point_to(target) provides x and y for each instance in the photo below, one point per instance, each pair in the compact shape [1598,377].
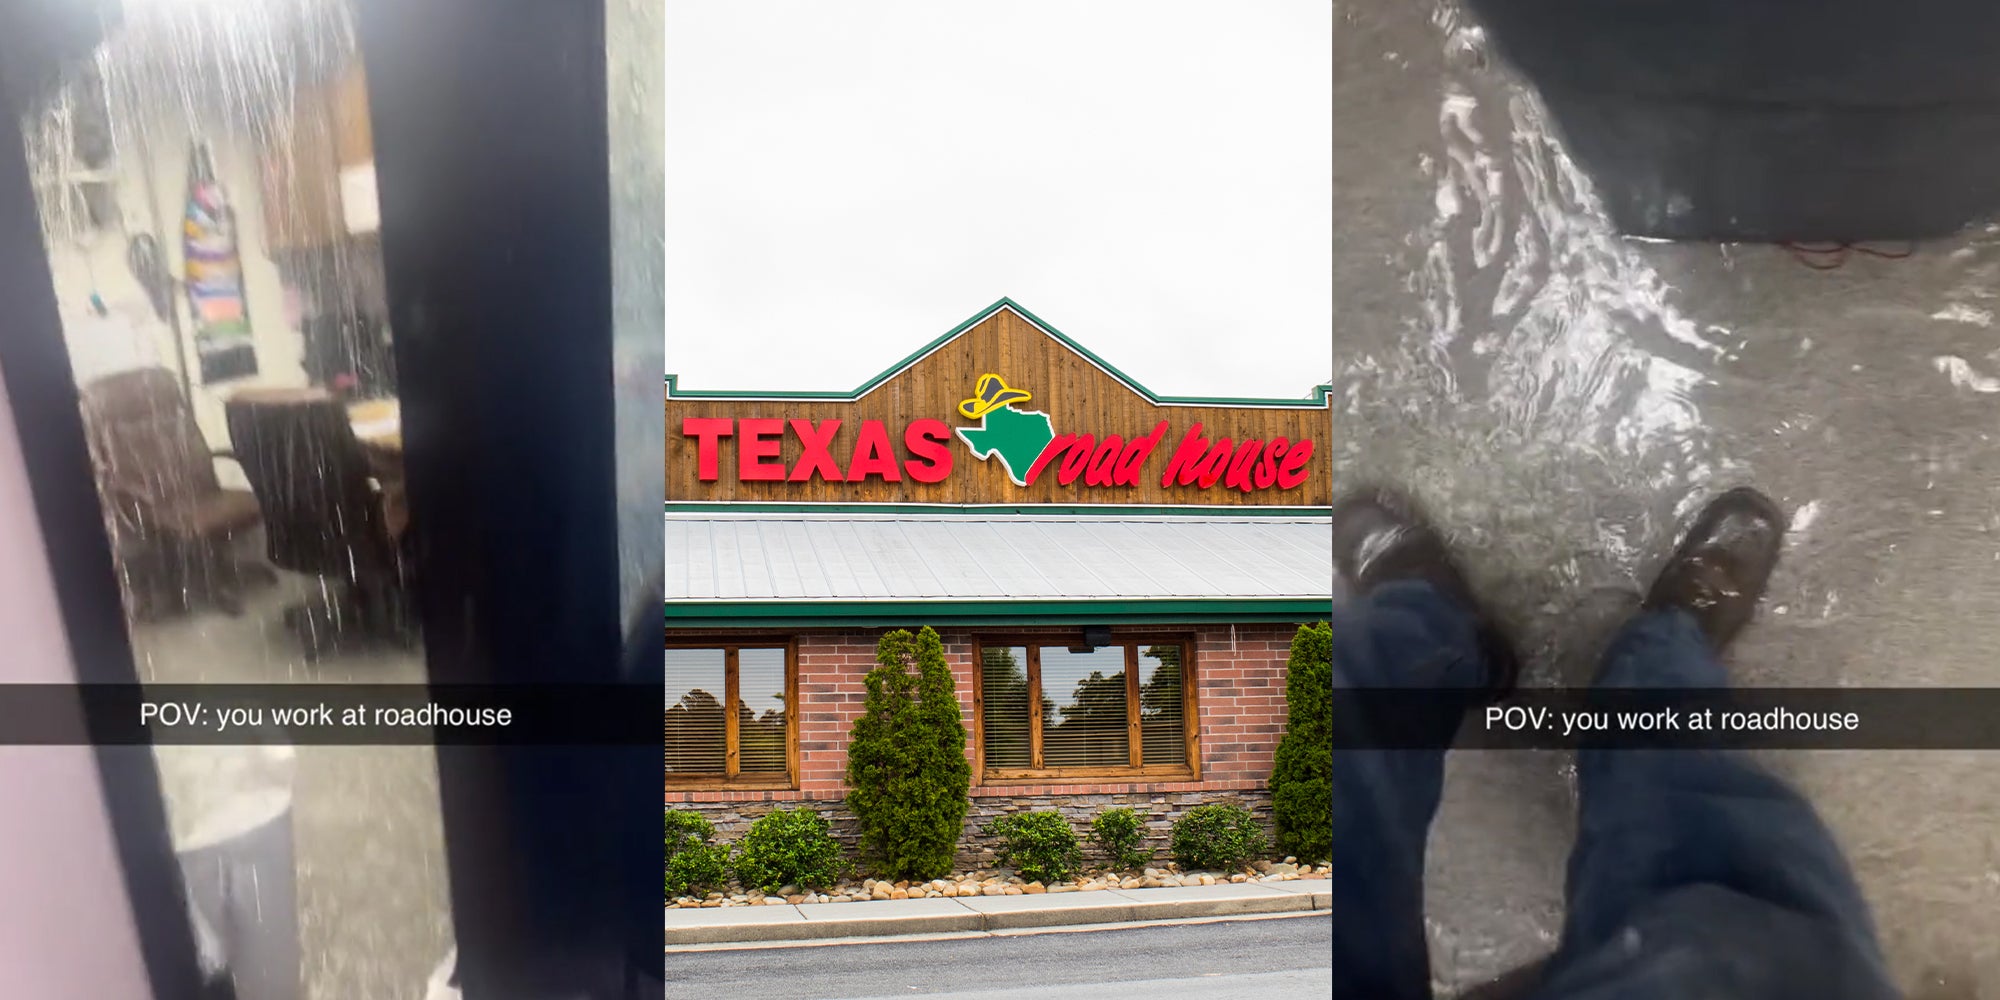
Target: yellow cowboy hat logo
[991,394]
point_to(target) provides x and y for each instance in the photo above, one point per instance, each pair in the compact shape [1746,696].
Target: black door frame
[37,40]
[491,140]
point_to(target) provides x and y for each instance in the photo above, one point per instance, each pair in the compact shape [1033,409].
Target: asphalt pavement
[1268,958]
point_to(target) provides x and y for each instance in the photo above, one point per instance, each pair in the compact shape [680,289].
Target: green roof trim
[711,615]
[1224,511]
[1318,398]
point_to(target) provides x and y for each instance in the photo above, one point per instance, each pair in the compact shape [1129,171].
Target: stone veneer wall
[1240,671]
[975,851]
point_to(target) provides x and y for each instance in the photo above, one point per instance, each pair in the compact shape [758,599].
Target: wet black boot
[1381,536]
[1719,572]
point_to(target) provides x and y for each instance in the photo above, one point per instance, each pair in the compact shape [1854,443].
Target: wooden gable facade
[909,436]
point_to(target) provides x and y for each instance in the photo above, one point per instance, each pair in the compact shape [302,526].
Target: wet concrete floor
[374,909]
[1564,399]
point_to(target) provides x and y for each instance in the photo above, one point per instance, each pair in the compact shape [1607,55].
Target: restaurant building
[1116,575]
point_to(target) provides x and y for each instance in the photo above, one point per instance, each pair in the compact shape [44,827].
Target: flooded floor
[373,897]
[1563,399]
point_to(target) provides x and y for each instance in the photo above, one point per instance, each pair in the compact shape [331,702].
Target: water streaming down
[317,872]
[636,99]
[110,151]
[1563,399]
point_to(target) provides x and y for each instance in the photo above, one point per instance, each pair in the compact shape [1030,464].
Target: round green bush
[1302,768]
[697,867]
[789,847]
[1040,846]
[686,823]
[1217,837]
[1118,833]
[907,777]
[692,862]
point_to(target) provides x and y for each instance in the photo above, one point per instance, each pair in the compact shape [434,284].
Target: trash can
[230,810]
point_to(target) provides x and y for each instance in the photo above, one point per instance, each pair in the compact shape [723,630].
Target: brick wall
[1240,671]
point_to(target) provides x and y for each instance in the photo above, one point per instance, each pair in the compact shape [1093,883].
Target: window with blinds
[1162,703]
[729,717]
[1004,674]
[1055,710]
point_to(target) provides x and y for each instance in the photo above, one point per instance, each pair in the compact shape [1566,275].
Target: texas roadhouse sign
[1042,421]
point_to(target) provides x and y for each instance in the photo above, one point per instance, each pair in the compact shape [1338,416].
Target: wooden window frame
[729,780]
[1133,642]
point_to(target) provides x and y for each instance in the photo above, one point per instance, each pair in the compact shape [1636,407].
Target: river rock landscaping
[1002,883]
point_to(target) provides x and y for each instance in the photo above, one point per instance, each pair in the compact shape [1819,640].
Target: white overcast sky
[848,180]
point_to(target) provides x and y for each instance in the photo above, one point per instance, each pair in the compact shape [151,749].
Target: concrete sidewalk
[883,918]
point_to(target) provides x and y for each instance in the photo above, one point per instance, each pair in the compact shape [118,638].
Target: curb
[1118,906]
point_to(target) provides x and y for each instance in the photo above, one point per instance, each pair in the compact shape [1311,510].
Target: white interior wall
[134,336]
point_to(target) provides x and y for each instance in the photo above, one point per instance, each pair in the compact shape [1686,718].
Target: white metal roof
[763,557]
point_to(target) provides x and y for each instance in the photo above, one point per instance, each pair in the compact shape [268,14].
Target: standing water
[1563,399]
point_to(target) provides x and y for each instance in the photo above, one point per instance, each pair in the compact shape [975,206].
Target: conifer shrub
[907,776]
[1302,768]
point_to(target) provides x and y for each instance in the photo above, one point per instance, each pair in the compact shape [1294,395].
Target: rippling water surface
[1563,399]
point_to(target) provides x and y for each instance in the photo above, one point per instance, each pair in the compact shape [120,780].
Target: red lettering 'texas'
[873,455]
[929,442]
[818,456]
[760,438]
[708,433]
